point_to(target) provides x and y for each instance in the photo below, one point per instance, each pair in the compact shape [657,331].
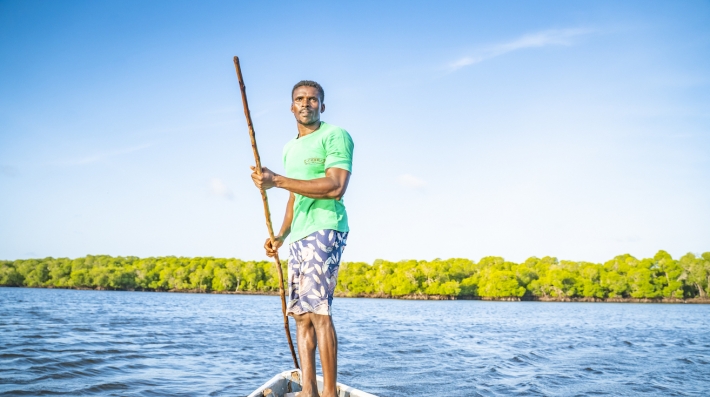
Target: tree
[696,273]
[36,272]
[500,284]
[591,281]
[671,272]
[614,283]
[642,280]
[9,276]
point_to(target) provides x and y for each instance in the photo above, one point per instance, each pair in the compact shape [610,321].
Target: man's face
[306,105]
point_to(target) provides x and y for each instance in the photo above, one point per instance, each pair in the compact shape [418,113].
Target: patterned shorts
[313,266]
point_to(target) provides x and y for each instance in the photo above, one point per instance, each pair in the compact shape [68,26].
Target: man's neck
[305,129]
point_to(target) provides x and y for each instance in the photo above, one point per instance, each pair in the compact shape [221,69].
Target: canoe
[287,383]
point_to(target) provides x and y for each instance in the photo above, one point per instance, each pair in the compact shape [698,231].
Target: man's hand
[264,181]
[273,250]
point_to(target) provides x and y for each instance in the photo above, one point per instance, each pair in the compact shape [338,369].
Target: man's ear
[322,107]
[292,109]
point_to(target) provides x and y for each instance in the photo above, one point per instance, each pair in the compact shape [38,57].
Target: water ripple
[60,342]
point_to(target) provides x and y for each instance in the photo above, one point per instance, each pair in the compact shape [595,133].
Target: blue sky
[579,130]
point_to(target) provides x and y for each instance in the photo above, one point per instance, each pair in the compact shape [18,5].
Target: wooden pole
[267,213]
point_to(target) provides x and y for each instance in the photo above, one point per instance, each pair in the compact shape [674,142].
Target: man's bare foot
[307,393]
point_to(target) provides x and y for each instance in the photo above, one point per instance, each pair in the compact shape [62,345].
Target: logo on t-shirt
[314,160]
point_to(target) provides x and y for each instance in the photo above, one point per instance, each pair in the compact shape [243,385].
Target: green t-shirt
[307,158]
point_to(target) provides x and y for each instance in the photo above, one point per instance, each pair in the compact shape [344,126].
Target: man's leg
[328,349]
[306,340]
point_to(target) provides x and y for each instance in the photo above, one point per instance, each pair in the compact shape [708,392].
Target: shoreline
[418,296]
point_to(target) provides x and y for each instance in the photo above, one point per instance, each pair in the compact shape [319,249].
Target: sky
[579,130]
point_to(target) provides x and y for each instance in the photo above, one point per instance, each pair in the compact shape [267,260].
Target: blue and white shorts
[313,266]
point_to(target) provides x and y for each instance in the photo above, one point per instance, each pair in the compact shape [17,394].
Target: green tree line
[621,277]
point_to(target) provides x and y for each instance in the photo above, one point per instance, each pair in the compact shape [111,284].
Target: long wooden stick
[267,213]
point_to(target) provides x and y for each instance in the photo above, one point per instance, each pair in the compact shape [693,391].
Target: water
[62,342]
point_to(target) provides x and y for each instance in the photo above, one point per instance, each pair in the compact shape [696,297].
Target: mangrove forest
[623,277]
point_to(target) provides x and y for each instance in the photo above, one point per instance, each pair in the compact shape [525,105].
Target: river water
[64,342]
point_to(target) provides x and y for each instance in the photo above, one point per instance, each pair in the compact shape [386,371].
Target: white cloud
[411,181]
[103,155]
[533,40]
[218,188]
[465,61]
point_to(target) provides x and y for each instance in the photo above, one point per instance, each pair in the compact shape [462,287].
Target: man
[318,163]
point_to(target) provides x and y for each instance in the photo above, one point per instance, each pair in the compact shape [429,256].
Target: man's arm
[332,186]
[285,229]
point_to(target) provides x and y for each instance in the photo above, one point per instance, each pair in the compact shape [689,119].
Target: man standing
[318,163]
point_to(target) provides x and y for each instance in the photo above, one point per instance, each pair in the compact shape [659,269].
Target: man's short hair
[309,83]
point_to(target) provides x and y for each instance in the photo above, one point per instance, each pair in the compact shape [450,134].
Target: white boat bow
[288,383]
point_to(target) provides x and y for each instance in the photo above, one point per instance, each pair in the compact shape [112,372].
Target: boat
[288,383]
